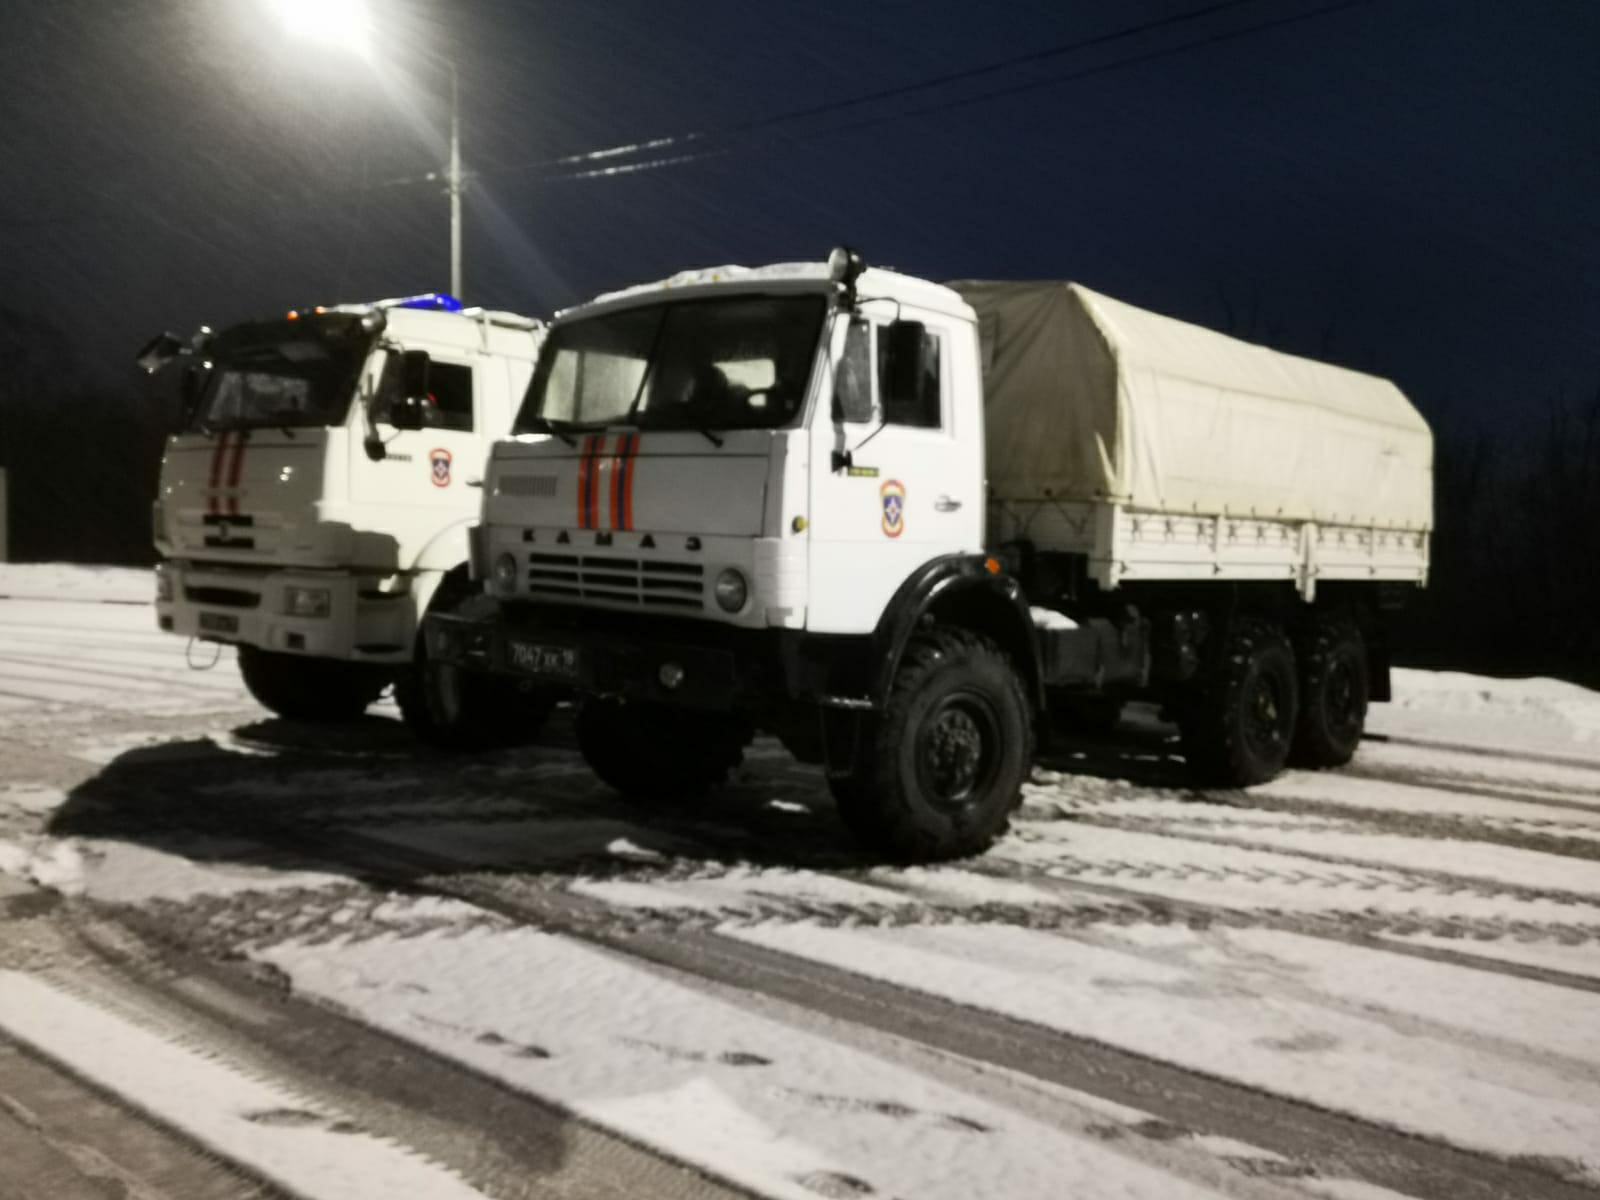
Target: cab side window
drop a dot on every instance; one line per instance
(449, 400)
(448, 404)
(913, 392)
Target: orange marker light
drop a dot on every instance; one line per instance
(992, 565)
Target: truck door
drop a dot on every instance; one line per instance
(420, 485)
(896, 478)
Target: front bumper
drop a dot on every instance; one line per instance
(686, 664)
(592, 663)
(365, 623)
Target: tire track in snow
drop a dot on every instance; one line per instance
(344, 1075)
(1446, 881)
(1333, 1143)
(1495, 752)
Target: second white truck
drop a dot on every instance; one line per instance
(315, 503)
(900, 525)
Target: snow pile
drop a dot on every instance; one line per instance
(116, 872)
(1533, 714)
(68, 581)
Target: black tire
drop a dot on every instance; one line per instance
(1237, 727)
(658, 754)
(309, 689)
(455, 709)
(943, 764)
(1333, 695)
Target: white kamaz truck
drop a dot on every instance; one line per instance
(900, 524)
(316, 500)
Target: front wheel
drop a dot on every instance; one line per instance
(456, 709)
(303, 688)
(943, 765)
(657, 753)
(1236, 728)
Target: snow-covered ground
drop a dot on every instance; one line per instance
(1413, 942)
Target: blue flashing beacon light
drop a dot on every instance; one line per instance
(433, 301)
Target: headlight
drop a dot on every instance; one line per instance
(505, 572)
(307, 602)
(731, 591)
(163, 585)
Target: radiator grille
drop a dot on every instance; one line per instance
(620, 580)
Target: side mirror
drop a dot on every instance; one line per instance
(159, 351)
(900, 346)
(190, 388)
(852, 378)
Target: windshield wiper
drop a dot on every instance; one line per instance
(709, 436)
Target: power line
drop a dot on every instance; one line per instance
(941, 106)
(816, 110)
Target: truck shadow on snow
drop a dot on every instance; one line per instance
(268, 796)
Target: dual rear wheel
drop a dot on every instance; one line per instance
(1268, 706)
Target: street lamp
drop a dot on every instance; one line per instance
(347, 25)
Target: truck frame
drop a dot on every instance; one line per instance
(908, 528)
(316, 500)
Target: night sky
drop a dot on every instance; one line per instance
(1405, 186)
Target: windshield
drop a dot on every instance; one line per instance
(283, 373)
(740, 362)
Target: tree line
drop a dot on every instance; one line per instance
(82, 459)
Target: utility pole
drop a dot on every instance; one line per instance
(455, 181)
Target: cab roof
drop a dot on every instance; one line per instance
(874, 283)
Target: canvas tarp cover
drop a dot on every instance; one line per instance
(1088, 398)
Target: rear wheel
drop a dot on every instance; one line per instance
(1237, 726)
(1333, 695)
(942, 767)
(656, 753)
(309, 689)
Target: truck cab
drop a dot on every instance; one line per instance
(316, 501)
(760, 499)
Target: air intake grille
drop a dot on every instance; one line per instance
(221, 597)
(620, 580)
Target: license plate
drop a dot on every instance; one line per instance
(551, 662)
(219, 622)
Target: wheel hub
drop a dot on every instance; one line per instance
(1343, 705)
(1266, 724)
(955, 746)
(957, 750)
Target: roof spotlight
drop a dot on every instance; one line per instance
(844, 268)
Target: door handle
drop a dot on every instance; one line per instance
(946, 504)
(474, 483)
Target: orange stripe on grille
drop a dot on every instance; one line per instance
(627, 481)
(235, 469)
(614, 492)
(583, 482)
(217, 453)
